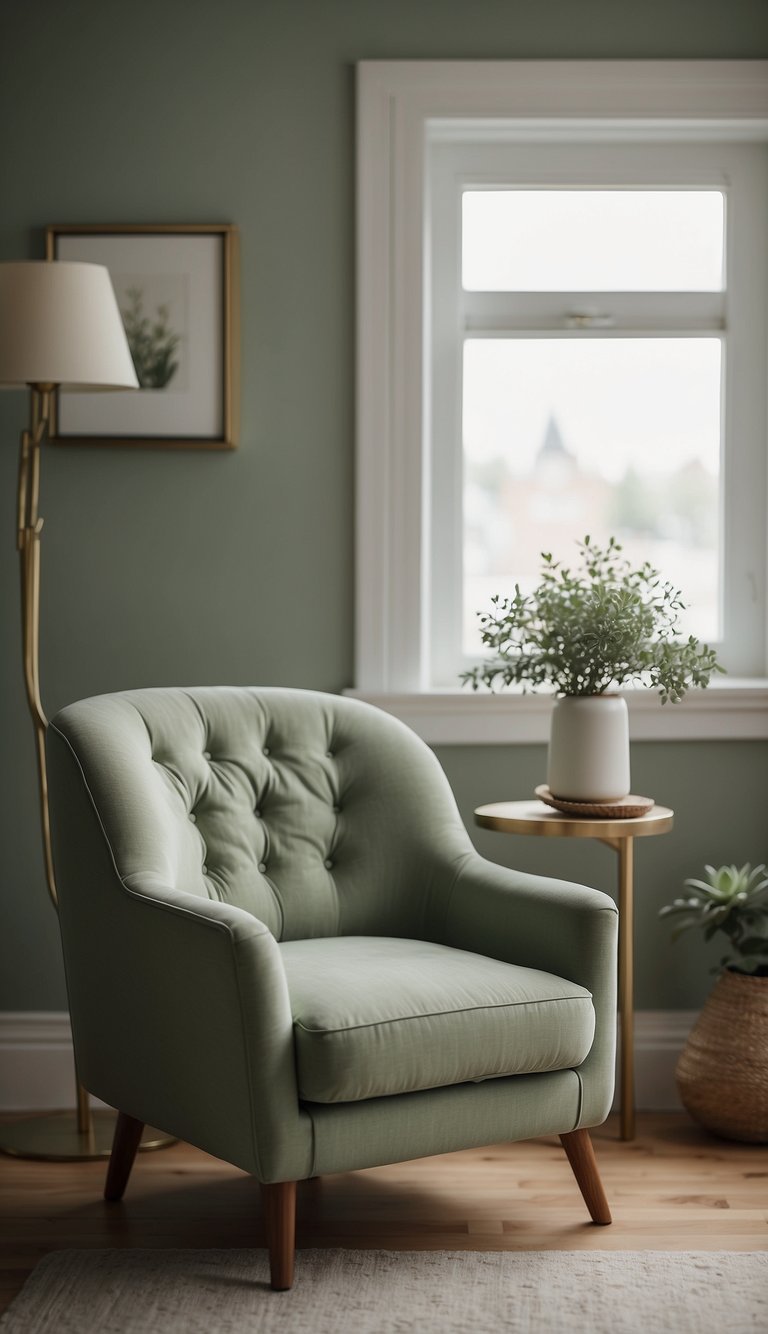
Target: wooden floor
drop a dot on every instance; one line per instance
(672, 1188)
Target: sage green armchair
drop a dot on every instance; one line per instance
(281, 946)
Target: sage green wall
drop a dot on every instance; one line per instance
(165, 568)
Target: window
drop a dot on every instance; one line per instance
(569, 336)
(582, 372)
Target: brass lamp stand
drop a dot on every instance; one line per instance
(64, 318)
(30, 527)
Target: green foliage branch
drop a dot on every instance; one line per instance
(591, 629)
(153, 343)
(733, 900)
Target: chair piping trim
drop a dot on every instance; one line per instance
(439, 1014)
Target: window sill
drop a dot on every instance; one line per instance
(730, 710)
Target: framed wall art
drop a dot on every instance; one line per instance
(177, 289)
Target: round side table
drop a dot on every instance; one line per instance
(533, 817)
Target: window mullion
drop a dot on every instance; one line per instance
(594, 313)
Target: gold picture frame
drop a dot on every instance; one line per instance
(178, 291)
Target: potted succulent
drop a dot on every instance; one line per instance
(583, 633)
(722, 1073)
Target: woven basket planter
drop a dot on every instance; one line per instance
(722, 1073)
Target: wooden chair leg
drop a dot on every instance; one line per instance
(581, 1156)
(125, 1145)
(280, 1214)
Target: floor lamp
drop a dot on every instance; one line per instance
(60, 328)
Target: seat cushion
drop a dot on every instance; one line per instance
(374, 1015)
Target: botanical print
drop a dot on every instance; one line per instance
(175, 290)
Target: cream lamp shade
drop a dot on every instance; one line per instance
(60, 325)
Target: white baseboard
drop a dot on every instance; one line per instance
(37, 1069)
(660, 1036)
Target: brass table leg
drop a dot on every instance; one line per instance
(527, 817)
(624, 848)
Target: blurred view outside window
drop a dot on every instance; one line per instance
(588, 432)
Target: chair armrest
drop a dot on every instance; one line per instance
(223, 965)
(553, 925)
(180, 1009)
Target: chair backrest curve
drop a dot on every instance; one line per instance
(321, 815)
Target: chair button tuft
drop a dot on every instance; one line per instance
(265, 750)
(262, 867)
(206, 754)
(193, 817)
(327, 863)
(257, 812)
(337, 810)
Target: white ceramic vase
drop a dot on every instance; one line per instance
(589, 748)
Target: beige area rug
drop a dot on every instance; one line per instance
(388, 1292)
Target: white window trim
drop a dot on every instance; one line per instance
(727, 712)
(396, 103)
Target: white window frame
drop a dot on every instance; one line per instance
(399, 103)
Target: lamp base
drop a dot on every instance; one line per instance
(56, 1138)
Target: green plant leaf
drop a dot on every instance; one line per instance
(734, 901)
(585, 631)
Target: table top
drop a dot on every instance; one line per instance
(533, 817)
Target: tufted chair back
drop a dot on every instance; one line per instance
(319, 815)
